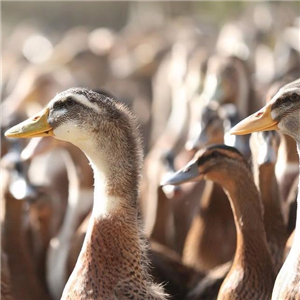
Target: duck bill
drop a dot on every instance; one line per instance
(259, 121)
(36, 126)
(187, 174)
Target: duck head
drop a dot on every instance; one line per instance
(207, 164)
(80, 116)
(103, 128)
(281, 113)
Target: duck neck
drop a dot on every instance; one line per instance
(247, 208)
(266, 182)
(113, 235)
(116, 186)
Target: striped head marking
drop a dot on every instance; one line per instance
(215, 155)
(285, 109)
(281, 113)
(216, 159)
(77, 115)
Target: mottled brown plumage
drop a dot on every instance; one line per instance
(110, 265)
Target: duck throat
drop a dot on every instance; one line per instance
(105, 203)
(113, 251)
(116, 181)
(246, 206)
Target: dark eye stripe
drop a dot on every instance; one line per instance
(286, 99)
(221, 151)
(287, 112)
(58, 105)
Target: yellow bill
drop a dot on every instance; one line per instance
(259, 121)
(36, 126)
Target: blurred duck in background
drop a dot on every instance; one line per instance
(211, 238)
(16, 194)
(264, 148)
(80, 185)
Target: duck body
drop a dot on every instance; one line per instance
(117, 259)
(206, 246)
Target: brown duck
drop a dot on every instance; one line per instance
(264, 147)
(112, 263)
(251, 275)
(281, 113)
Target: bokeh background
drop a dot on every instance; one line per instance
(188, 70)
(137, 35)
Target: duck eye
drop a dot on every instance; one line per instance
(70, 101)
(295, 96)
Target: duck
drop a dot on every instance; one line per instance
(80, 179)
(79, 204)
(287, 166)
(211, 129)
(264, 147)
(154, 202)
(112, 262)
(15, 192)
(227, 81)
(211, 240)
(251, 275)
(166, 265)
(282, 114)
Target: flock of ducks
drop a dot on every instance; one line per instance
(180, 203)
